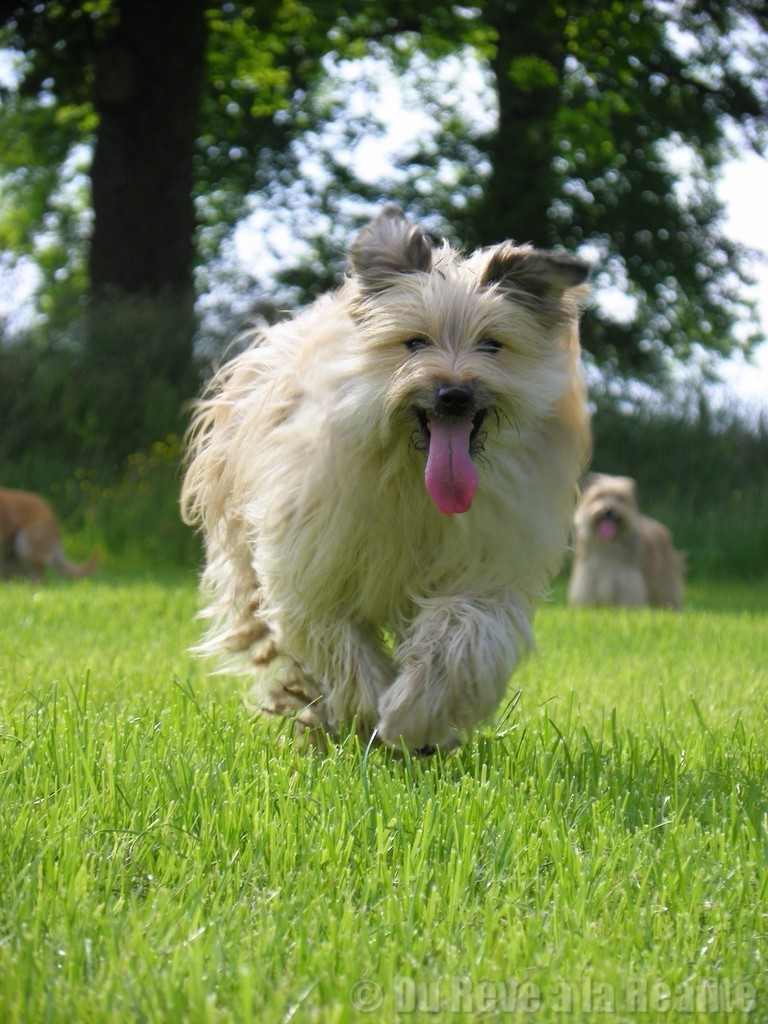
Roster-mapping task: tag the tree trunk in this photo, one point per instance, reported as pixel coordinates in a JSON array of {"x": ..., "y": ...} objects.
[
  {"x": 147, "y": 93},
  {"x": 528, "y": 66}
]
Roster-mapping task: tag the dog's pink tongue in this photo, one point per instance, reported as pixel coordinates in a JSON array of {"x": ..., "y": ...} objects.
[
  {"x": 607, "y": 528},
  {"x": 450, "y": 476}
]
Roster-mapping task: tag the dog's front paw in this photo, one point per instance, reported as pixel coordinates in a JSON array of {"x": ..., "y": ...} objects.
[{"x": 411, "y": 720}]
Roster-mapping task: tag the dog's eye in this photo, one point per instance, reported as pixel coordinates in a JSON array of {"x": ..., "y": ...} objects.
[
  {"x": 489, "y": 345},
  {"x": 414, "y": 344}
]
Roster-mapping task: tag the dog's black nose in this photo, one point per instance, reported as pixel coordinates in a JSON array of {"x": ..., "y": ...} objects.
[{"x": 454, "y": 400}]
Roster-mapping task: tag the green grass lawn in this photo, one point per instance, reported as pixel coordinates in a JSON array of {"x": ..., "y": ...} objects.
[{"x": 599, "y": 853}]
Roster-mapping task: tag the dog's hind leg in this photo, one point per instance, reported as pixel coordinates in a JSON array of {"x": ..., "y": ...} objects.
[
  {"x": 350, "y": 668},
  {"x": 33, "y": 547},
  {"x": 288, "y": 692}
]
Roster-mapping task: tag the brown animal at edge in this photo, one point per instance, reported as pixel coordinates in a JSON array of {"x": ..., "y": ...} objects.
[{"x": 30, "y": 540}]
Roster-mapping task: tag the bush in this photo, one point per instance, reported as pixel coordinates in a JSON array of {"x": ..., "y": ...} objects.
[
  {"x": 107, "y": 383},
  {"x": 707, "y": 482},
  {"x": 133, "y": 519},
  {"x": 137, "y": 519}
]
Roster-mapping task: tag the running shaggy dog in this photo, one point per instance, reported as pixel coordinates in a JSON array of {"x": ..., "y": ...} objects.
[{"x": 401, "y": 458}]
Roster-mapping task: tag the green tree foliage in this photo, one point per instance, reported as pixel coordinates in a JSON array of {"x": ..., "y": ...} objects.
[
  {"x": 613, "y": 125},
  {"x": 179, "y": 107},
  {"x": 604, "y": 111},
  {"x": 622, "y": 103},
  {"x": 614, "y": 122}
]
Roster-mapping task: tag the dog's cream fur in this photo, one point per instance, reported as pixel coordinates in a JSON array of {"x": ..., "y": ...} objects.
[
  {"x": 30, "y": 540},
  {"x": 622, "y": 557},
  {"x": 307, "y": 473}
]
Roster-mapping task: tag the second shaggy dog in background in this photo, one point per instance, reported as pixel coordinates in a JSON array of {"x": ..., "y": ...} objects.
[{"x": 622, "y": 557}]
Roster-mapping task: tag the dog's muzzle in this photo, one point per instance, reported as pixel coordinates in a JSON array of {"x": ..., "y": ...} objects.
[
  {"x": 450, "y": 429},
  {"x": 454, "y": 401}
]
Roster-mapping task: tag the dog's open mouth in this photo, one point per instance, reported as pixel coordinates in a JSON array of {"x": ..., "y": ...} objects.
[
  {"x": 424, "y": 426},
  {"x": 607, "y": 525},
  {"x": 449, "y": 441}
]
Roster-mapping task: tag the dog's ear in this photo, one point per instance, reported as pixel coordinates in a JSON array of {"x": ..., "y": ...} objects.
[
  {"x": 535, "y": 277},
  {"x": 589, "y": 479},
  {"x": 630, "y": 485},
  {"x": 533, "y": 270},
  {"x": 388, "y": 246}
]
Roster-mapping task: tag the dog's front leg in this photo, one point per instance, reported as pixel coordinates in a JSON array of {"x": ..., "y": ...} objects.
[{"x": 454, "y": 668}]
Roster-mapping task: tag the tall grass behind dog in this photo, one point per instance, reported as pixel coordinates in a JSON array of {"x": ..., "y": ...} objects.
[
  {"x": 402, "y": 456},
  {"x": 30, "y": 540},
  {"x": 621, "y": 556}
]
